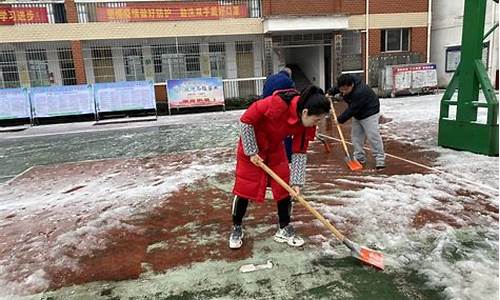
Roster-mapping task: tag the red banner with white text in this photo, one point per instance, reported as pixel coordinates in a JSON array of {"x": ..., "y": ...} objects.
[{"x": 171, "y": 11}]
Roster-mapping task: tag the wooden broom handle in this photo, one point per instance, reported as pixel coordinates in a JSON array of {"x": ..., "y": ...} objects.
[
  {"x": 338, "y": 128},
  {"x": 302, "y": 201}
]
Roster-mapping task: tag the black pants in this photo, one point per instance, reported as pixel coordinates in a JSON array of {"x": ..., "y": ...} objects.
[{"x": 284, "y": 210}]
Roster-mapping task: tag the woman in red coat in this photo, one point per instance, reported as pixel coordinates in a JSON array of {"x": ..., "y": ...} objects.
[{"x": 263, "y": 127}]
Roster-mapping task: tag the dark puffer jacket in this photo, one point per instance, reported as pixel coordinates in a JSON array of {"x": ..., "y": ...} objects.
[
  {"x": 278, "y": 81},
  {"x": 362, "y": 101}
]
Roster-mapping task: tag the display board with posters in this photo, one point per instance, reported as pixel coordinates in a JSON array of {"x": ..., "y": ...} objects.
[
  {"x": 69, "y": 100},
  {"x": 124, "y": 96},
  {"x": 195, "y": 92},
  {"x": 414, "y": 77},
  {"x": 14, "y": 104},
  {"x": 453, "y": 57}
]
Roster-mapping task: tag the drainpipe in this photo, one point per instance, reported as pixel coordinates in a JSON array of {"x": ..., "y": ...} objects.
[
  {"x": 493, "y": 64},
  {"x": 367, "y": 40},
  {"x": 429, "y": 31}
]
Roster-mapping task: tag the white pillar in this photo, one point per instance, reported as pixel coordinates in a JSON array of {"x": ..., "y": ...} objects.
[
  {"x": 231, "y": 67},
  {"x": 258, "y": 58},
  {"x": 321, "y": 64},
  {"x": 118, "y": 63},
  {"x": 54, "y": 66},
  {"x": 22, "y": 66},
  {"x": 89, "y": 67},
  {"x": 204, "y": 60},
  {"x": 147, "y": 58}
]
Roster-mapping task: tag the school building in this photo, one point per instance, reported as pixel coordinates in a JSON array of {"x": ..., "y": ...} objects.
[{"x": 67, "y": 42}]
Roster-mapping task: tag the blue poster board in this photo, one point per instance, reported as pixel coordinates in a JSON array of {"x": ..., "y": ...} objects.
[
  {"x": 123, "y": 96},
  {"x": 14, "y": 104},
  {"x": 57, "y": 101}
]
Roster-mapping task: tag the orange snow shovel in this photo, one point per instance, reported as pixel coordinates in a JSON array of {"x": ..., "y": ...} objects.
[
  {"x": 353, "y": 164},
  {"x": 366, "y": 255}
]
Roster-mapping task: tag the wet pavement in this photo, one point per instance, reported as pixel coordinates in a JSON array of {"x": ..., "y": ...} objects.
[{"x": 150, "y": 219}]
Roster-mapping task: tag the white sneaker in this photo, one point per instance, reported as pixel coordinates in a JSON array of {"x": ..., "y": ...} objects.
[
  {"x": 236, "y": 237},
  {"x": 287, "y": 235}
]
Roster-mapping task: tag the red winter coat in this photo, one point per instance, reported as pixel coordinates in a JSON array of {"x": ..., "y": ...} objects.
[{"x": 273, "y": 120}]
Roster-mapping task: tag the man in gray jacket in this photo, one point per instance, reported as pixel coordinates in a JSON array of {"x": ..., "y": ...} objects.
[{"x": 364, "y": 109}]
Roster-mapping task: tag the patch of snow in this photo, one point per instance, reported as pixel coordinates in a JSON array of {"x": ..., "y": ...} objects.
[
  {"x": 384, "y": 214},
  {"x": 106, "y": 202}
]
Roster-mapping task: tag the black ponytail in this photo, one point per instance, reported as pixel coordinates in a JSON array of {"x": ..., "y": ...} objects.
[{"x": 313, "y": 99}]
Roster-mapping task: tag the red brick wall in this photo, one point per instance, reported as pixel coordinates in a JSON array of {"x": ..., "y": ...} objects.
[
  {"x": 354, "y": 7},
  {"x": 374, "y": 46},
  {"x": 71, "y": 12},
  {"x": 357, "y": 7},
  {"x": 76, "y": 46},
  {"x": 300, "y": 7},
  {"x": 418, "y": 41},
  {"x": 76, "y": 50},
  {"x": 351, "y": 7}
]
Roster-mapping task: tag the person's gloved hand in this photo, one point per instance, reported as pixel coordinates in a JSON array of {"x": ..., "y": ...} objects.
[
  {"x": 296, "y": 189},
  {"x": 337, "y": 97}
]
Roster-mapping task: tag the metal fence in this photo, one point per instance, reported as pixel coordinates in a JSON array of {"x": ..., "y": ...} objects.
[
  {"x": 243, "y": 87},
  {"x": 51, "y": 63}
]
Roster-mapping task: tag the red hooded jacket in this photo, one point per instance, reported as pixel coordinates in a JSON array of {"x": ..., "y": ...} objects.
[{"x": 273, "y": 120}]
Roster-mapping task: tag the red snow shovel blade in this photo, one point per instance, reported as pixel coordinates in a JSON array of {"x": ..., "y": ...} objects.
[
  {"x": 366, "y": 255},
  {"x": 371, "y": 257},
  {"x": 353, "y": 164}
]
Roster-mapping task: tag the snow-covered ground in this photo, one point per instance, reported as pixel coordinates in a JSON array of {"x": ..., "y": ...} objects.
[
  {"x": 85, "y": 203},
  {"x": 455, "y": 254},
  {"x": 463, "y": 260}
]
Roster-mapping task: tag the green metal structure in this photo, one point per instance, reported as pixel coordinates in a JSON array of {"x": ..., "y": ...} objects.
[{"x": 464, "y": 132}]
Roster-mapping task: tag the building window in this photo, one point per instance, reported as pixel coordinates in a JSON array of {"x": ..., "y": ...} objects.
[
  {"x": 9, "y": 74},
  {"x": 217, "y": 60},
  {"x": 395, "y": 40},
  {"x": 176, "y": 61},
  {"x": 245, "y": 68},
  {"x": 134, "y": 67},
  {"x": 192, "y": 54},
  {"x": 351, "y": 51},
  {"x": 168, "y": 63},
  {"x": 59, "y": 13},
  {"x": 38, "y": 67},
  {"x": 245, "y": 60},
  {"x": 244, "y": 47},
  {"x": 67, "y": 66},
  {"x": 102, "y": 62}
]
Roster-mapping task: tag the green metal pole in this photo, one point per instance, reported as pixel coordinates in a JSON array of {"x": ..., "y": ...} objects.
[{"x": 472, "y": 41}]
